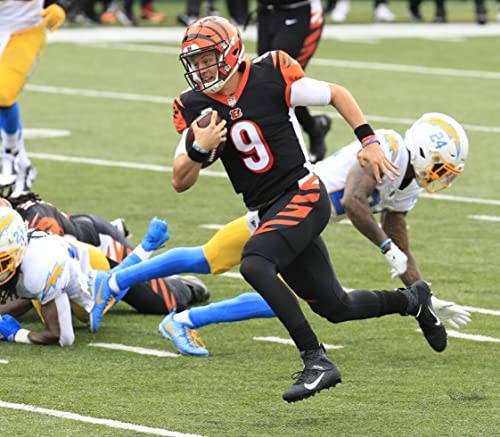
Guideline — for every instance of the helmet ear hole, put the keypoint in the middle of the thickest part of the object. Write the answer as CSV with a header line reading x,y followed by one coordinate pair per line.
x,y
422,154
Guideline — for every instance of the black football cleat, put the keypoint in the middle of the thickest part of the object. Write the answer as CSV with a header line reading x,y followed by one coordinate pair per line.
x,y
199,291
317,145
420,306
319,373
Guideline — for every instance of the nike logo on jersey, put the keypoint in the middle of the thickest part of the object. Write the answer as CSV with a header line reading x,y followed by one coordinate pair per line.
x,y
315,383
290,21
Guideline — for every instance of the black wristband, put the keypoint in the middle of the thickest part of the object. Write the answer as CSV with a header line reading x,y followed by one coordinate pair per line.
x,y
363,131
197,156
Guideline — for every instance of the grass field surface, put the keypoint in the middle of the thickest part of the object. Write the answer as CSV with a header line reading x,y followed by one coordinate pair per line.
x,y
113,100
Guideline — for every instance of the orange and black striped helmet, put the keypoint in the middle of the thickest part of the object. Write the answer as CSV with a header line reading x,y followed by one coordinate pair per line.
x,y
209,36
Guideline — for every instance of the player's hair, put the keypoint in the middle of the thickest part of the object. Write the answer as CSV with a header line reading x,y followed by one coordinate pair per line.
x,y
23,198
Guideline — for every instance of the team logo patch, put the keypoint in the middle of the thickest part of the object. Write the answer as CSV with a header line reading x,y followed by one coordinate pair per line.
x,y
236,113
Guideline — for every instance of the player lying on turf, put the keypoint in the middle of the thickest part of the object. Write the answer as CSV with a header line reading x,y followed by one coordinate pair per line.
x,y
158,296
56,272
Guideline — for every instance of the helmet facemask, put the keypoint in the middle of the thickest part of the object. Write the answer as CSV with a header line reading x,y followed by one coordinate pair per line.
x,y
194,75
217,38
439,176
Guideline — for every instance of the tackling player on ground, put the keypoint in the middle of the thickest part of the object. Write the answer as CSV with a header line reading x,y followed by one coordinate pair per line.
x,y
57,273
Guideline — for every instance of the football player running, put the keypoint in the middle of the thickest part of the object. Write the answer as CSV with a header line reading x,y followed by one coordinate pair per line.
x,y
22,41
266,162
57,272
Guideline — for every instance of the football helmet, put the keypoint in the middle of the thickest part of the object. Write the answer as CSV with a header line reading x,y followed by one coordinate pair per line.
x,y
211,34
438,146
13,242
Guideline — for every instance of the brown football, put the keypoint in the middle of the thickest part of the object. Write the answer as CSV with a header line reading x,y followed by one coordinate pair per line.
x,y
203,121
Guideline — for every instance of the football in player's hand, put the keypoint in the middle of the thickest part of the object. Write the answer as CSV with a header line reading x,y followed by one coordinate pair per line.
x,y
203,121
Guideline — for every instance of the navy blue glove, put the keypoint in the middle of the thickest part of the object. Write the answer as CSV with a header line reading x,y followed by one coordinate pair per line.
x,y
8,328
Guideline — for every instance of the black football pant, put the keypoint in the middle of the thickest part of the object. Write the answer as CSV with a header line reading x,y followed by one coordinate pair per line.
x,y
288,242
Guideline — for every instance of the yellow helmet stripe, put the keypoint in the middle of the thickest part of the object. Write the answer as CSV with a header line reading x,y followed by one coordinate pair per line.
x,y
447,128
393,144
4,224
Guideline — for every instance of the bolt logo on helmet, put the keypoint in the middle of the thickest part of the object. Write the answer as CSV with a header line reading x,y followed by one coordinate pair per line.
x,y
13,242
220,42
438,146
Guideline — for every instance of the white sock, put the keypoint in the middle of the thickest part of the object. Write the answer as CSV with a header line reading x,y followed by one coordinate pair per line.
x,y
184,318
113,284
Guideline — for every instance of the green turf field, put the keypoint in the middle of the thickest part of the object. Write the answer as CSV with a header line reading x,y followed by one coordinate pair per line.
x,y
115,102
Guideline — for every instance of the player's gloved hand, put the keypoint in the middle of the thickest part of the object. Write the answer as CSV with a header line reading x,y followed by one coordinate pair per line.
x,y
156,236
53,17
397,260
8,328
451,313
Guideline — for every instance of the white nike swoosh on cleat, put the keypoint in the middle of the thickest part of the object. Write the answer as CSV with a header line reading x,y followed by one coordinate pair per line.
x,y
290,21
437,322
315,383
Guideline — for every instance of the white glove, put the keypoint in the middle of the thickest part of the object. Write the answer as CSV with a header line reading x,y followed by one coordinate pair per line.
x,y
450,312
397,260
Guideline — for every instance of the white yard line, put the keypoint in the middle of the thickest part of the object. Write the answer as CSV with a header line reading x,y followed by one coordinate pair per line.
x,y
436,196
325,62
290,342
473,337
482,311
453,32
485,218
4,362
135,349
34,133
168,101
94,420
212,173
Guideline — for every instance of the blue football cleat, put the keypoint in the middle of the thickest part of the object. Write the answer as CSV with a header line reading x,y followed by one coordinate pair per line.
x,y
185,340
156,236
102,295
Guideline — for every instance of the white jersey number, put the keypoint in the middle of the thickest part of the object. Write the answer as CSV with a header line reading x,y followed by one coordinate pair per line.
x,y
248,139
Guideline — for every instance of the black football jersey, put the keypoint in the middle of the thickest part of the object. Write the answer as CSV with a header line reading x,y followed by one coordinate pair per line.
x,y
263,156
46,217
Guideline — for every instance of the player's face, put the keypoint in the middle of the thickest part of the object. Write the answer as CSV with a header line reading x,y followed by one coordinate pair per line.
x,y
206,65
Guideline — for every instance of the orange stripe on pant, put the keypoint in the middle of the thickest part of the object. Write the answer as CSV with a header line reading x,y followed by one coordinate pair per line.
x,y
293,208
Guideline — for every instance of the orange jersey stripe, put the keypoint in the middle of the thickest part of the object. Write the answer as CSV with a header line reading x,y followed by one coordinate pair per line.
x,y
179,122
